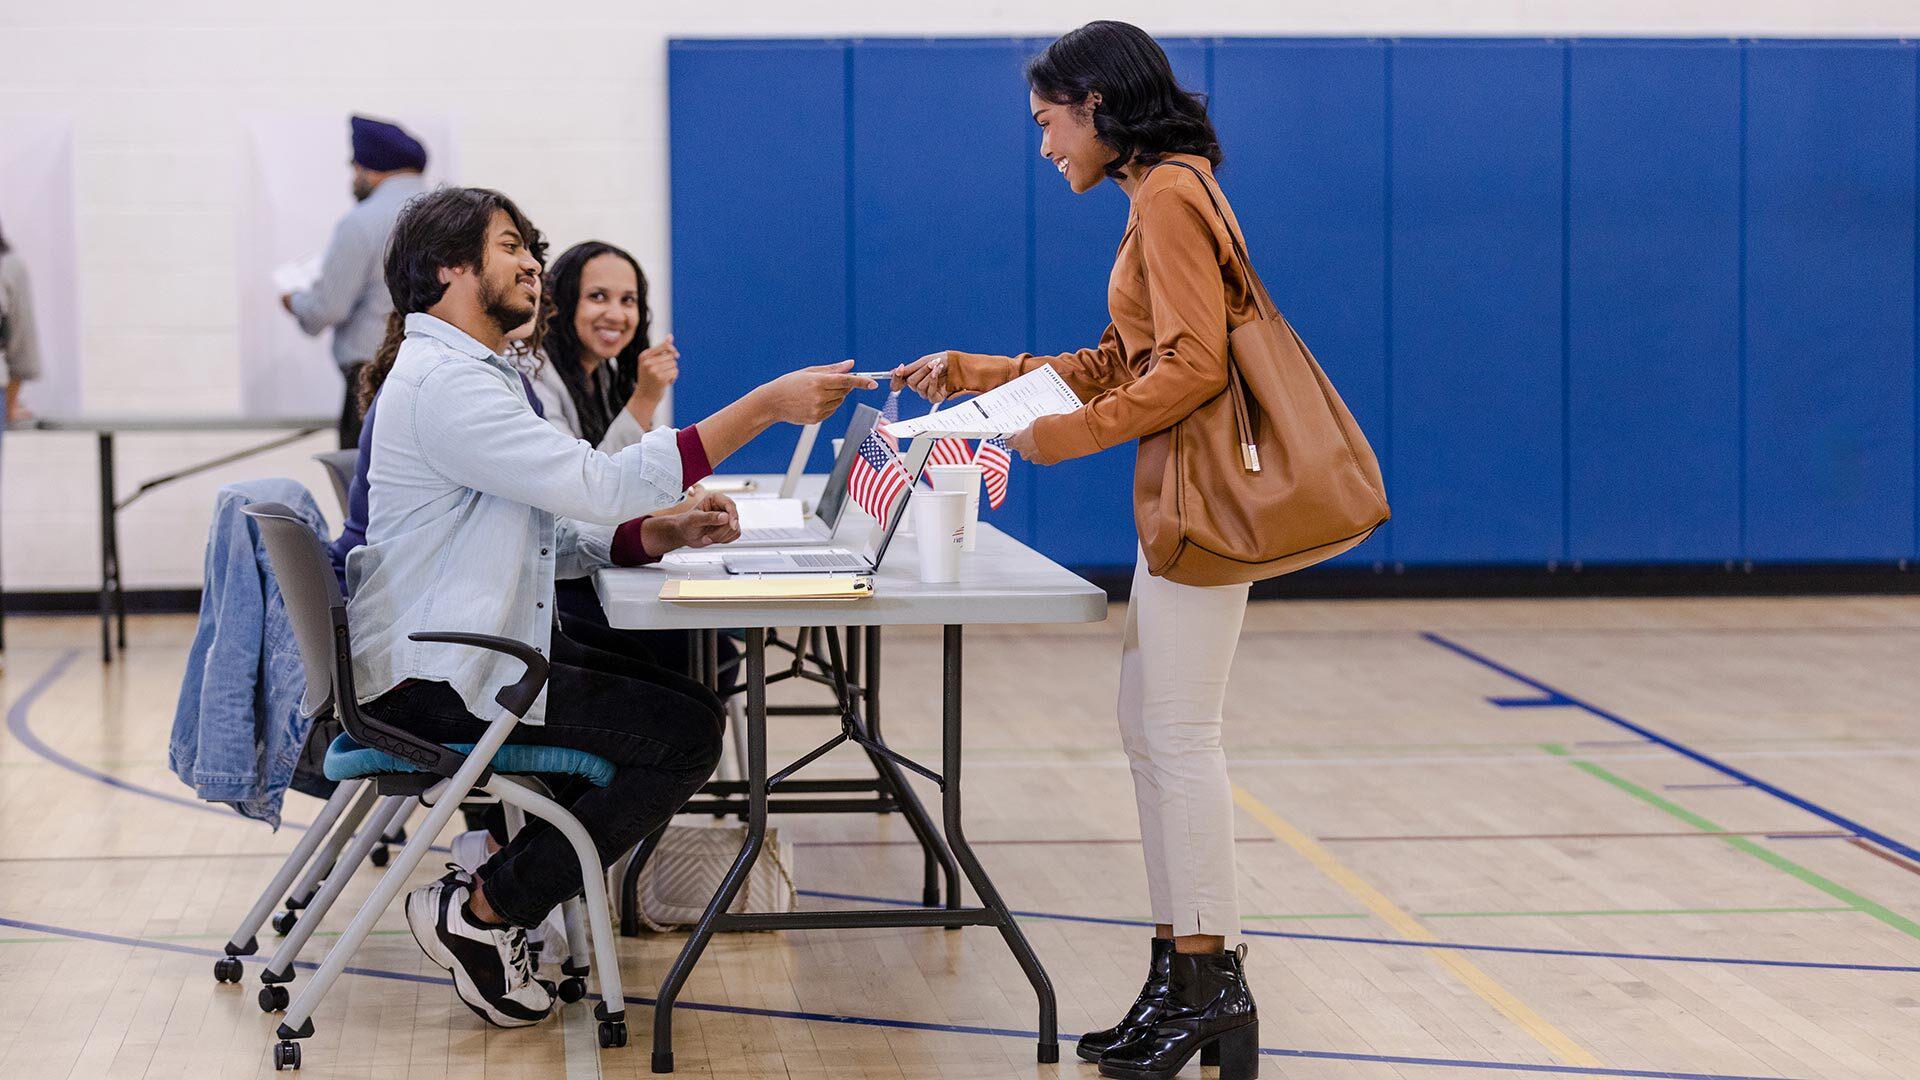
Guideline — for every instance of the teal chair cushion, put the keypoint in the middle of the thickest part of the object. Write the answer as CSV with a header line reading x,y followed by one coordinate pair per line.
x,y
348,760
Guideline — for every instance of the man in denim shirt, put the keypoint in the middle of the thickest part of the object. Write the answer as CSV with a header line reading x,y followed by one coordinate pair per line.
x,y
475,505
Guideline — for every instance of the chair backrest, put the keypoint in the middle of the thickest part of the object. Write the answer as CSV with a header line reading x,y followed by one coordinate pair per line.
x,y
319,619
340,466
312,596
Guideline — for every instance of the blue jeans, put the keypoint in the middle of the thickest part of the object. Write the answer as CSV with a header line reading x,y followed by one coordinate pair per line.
x,y
661,730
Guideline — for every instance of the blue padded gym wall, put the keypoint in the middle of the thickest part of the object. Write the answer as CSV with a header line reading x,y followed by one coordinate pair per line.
x,y
1631,302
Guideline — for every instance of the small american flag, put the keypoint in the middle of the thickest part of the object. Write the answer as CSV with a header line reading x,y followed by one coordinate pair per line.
x,y
994,460
877,480
951,452
889,414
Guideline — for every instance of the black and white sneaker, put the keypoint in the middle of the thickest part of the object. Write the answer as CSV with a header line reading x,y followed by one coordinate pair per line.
x,y
492,972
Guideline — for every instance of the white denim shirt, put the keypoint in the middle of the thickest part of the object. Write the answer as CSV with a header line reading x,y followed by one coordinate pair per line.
x,y
474,506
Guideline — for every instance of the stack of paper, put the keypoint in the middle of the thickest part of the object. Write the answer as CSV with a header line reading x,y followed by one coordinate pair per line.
x,y
739,589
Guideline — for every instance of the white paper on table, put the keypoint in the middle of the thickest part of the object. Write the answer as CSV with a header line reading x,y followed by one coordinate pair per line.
x,y
761,514
1000,411
296,276
691,560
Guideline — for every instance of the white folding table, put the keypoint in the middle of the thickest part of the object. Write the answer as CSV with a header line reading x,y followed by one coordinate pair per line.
x,y
1003,582
113,599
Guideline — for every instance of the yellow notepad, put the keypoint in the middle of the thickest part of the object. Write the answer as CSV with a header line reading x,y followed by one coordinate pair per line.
x,y
720,590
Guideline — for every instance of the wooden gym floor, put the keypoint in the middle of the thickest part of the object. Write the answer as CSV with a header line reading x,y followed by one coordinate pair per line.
x,y
1592,838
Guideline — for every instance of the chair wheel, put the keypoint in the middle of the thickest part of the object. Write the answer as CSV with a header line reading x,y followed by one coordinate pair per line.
x,y
273,999
286,1055
613,1033
226,969
283,923
379,856
572,990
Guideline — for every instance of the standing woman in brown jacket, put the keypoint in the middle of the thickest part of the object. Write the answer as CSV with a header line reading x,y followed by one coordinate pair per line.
x,y
1109,108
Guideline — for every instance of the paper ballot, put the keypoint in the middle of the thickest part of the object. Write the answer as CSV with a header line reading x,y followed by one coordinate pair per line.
x,y
759,515
296,276
1000,411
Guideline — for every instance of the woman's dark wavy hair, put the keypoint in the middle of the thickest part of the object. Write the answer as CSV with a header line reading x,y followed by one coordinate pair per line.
x,y
1143,114
562,344
445,227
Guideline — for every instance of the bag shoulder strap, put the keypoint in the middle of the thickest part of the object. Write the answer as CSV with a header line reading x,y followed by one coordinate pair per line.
x,y
1262,299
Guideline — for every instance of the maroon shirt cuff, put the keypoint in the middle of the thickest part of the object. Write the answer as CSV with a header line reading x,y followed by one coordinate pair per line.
x,y
693,457
627,550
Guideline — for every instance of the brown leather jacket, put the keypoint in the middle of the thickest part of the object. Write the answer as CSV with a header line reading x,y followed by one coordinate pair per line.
x,y
1174,292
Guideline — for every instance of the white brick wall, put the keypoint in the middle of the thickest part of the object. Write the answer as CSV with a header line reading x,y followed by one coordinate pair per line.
x,y
563,105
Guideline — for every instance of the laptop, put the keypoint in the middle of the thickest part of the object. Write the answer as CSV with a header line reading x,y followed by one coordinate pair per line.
x,y
839,560
818,527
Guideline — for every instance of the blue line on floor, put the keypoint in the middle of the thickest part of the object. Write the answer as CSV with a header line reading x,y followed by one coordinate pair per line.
x,y
1722,786
908,1025
17,725
1691,754
1349,939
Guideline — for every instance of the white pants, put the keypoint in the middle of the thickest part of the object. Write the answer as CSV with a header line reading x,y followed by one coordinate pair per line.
x,y
1180,641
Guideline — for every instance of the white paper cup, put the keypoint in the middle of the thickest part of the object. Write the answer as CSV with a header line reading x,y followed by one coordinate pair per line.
x,y
965,479
837,444
939,526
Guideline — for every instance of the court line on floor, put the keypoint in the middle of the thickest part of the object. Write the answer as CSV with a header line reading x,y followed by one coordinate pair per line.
x,y
1826,834
1740,843
17,725
1352,939
1778,834
907,1025
1558,697
1887,855
1503,1001
1587,913
1333,916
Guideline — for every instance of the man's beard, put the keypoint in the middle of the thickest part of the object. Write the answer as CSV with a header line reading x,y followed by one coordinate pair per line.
x,y
361,189
506,307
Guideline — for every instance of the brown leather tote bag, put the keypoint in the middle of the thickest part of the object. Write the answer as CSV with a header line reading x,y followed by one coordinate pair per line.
x,y
1271,476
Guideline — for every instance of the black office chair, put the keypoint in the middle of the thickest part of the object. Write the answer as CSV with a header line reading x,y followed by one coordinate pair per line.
x,y
404,767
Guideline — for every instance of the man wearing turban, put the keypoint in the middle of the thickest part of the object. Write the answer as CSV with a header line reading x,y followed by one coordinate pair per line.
x,y
350,296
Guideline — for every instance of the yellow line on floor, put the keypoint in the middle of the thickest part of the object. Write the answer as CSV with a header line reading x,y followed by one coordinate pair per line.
x,y
1556,1041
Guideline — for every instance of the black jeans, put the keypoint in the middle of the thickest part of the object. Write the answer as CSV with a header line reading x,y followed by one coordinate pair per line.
x,y
662,732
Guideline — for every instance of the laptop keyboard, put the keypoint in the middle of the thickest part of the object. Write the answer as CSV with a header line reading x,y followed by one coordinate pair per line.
x,y
778,534
837,560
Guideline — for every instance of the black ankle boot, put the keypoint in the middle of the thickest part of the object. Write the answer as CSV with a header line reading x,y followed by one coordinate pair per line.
x,y
1147,1008
1207,1004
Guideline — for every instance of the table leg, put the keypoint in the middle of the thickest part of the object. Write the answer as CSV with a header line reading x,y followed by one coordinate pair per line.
x,y
1049,1051
742,865
937,859
109,572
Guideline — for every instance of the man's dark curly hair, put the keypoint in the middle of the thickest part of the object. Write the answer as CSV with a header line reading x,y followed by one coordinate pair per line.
x,y
1143,114
445,227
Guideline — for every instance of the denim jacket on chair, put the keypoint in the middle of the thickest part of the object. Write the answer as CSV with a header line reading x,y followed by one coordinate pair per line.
x,y
237,731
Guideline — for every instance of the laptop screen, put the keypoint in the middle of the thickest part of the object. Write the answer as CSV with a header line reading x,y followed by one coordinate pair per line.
x,y
833,497
915,460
